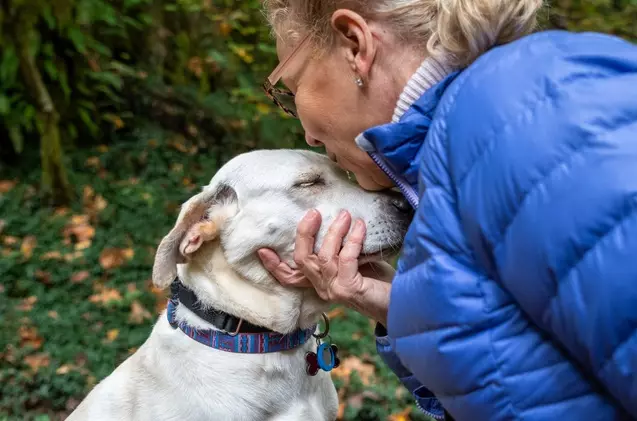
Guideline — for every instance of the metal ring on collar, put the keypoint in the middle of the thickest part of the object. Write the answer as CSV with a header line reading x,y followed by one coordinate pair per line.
x,y
327,328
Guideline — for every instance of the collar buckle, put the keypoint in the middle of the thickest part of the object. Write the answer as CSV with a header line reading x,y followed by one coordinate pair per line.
x,y
236,331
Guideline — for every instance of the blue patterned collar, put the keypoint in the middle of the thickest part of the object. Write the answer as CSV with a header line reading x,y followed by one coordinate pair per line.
x,y
242,338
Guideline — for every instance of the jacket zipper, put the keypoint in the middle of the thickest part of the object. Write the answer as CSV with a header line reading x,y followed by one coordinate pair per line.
x,y
405,188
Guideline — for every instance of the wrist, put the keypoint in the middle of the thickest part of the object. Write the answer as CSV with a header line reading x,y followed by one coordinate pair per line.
x,y
371,299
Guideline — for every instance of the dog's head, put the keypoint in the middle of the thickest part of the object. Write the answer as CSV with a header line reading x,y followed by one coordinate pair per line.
x,y
256,200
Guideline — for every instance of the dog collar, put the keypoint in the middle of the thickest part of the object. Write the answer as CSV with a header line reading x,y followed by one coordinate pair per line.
x,y
234,334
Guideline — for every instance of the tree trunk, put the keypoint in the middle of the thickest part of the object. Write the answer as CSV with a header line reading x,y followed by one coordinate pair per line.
x,y
55,182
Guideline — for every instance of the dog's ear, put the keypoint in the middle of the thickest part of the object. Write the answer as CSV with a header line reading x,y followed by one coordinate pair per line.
x,y
200,220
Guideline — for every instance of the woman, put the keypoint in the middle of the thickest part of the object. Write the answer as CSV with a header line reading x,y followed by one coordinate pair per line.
x,y
515,296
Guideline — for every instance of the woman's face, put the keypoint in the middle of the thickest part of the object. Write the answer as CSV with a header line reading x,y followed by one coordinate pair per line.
x,y
332,107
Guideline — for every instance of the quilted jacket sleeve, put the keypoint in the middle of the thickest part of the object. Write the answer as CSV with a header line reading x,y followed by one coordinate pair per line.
x,y
520,295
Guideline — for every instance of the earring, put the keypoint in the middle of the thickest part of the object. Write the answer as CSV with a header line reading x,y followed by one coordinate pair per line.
x,y
359,81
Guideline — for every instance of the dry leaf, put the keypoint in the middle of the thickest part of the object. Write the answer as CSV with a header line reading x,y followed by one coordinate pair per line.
x,y
114,257
400,416
3,224
7,185
37,361
336,312
93,203
28,244
341,411
53,314
79,230
9,240
352,364
52,255
138,313
29,337
42,276
92,161
65,369
79,277
27,303
111,335
69,257
105,296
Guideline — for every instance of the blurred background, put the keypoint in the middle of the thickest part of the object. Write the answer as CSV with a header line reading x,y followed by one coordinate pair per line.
x,y
111,113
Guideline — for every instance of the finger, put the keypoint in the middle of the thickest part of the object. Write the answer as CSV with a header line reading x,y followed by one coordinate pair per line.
x,y
305,236
281,270
348,257
333,240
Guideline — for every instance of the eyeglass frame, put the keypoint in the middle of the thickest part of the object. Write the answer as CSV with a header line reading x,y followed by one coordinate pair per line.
x,y
275,76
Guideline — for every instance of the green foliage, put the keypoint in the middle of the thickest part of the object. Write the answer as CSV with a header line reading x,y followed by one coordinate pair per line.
x,y
617,17
101,67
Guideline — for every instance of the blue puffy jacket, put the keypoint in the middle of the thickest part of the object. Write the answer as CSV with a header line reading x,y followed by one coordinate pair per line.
x,y
515,296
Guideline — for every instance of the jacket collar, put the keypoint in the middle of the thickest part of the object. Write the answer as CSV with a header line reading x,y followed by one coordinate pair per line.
x,y
397,144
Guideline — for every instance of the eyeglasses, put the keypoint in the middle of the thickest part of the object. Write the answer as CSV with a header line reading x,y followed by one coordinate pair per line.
x,y
282,97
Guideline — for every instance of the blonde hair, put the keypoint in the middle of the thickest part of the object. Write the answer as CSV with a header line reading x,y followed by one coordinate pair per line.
x,y
458,31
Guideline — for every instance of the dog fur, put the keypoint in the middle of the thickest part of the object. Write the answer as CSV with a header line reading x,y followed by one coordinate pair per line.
x,y
254,201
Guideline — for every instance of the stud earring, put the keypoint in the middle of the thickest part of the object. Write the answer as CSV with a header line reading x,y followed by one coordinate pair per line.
x,y
359,81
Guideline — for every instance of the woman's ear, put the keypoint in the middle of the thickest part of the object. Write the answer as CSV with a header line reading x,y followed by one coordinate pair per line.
x,y
355,37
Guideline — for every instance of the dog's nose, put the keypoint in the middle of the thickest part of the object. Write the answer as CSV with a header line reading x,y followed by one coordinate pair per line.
x,y
401,204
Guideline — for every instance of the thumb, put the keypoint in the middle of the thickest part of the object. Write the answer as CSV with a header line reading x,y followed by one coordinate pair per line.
x,y
269,259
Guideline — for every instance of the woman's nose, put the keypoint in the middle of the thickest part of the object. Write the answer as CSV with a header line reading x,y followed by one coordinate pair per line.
x,y
311,141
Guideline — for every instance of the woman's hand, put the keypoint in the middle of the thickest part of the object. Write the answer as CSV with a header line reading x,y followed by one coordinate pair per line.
x,y
334,272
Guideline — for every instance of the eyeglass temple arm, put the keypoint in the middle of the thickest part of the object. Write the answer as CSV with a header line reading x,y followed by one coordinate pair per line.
x,y
278,70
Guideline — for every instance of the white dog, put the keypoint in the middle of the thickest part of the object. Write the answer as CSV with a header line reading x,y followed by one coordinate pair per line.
x,y
221,359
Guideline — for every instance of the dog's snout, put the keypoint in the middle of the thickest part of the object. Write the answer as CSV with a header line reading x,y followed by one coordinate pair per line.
x,y
396,199
401,204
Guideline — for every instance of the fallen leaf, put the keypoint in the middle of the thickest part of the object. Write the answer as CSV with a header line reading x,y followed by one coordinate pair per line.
x,y
29,337
353,364
93,203
9,240
115,257
52,255
80,276
3,224
37,361
53,314
400,416
111,335
62,211
92,161
69,257
28,244
42,276
105,296
341,411
7,185
27,303
65,369
336,312
138,313
79,230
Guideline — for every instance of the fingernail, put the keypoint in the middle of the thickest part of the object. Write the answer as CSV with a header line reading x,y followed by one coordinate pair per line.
x,y
341,215
359,224
311,214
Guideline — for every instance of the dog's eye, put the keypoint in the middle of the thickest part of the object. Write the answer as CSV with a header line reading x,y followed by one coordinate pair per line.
x,y
309,182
